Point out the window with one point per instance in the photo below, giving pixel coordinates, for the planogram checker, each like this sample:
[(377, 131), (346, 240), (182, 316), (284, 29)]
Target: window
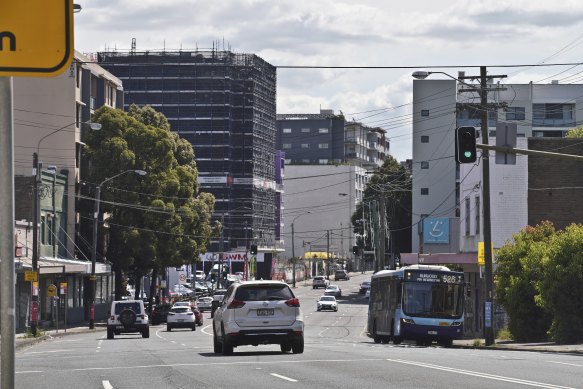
[(424, 112), (305, 145), (424, 191), (323, 161), (323, 145), (424, 138), (305, 130), (306, 161), (515, 113), (477, 215), (323, 130), (286, 146), (467, 217), (287, 161), (287, 131), (553, 115), (424, 165)]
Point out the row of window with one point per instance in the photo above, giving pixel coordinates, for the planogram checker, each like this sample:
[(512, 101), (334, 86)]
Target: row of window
[(306, 130), (287, 146), (322, 161)]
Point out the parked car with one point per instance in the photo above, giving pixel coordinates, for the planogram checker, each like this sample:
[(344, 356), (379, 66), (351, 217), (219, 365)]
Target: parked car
[(200, 289), (205, 303), (159, 313), (364, 286), (367, 294), (127, 316), (271, 315), (183, 290), (180, 317), (341, 275), (333, 290), (319, 282), (218, 294), (327, 302)]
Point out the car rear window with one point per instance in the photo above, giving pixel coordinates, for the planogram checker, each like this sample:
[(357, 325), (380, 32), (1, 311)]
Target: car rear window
[(263, 292), (180, 309), (119, 308)]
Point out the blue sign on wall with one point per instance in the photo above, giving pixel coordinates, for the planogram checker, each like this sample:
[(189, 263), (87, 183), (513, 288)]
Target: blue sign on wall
[(436, 230)]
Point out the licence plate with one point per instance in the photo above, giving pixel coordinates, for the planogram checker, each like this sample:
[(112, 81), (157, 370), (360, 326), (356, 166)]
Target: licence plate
[(180, 320), (432, 332), (265, 312)]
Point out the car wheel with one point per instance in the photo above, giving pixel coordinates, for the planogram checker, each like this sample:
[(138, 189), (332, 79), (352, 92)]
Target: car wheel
[(285, 348), (397, 339), (227, 348), (146, 332), (168, 328), (298, 348), (216, 344), (193, 327), (376, 338), (110, 333), (335, 309), (385, 340)]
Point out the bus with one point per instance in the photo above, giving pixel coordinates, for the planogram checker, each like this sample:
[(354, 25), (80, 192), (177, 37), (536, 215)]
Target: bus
[(419, 302)]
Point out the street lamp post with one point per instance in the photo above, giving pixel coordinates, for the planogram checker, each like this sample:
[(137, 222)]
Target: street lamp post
[(37, 167), (294, 248), (94, 247)]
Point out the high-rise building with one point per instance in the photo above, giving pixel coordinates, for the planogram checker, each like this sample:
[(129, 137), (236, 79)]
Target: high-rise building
[(224, 104)]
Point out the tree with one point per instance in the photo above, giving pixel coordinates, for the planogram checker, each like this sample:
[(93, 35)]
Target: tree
[(518, 272), (158, 220), (561, 287), (392, 183), (575, 133)]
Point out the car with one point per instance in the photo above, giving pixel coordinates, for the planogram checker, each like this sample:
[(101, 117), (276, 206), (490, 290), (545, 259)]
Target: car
[(341, 275), (333, 290), (194, 308), (319, 282), (200, 289), (159, 313), (205, 303), (259, 312), (218, 294), (181, 317), (127, 316), (327, 302), (367, 294), (364, 286), (183, 290), (199, 274)]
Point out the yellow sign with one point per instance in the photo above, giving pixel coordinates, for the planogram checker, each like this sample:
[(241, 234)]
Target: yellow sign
[(481, 255), (36, 37), (92, 278), (52, 290), (30, 276)]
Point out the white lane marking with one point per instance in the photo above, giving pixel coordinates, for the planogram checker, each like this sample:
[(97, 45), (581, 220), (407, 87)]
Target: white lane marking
[(28, 371), (481, 375), (283, 377), (321, 332), (172, 341), (158, 335), (100, 342), (204, 332), (182, 344), (565, 363), (106, 385), (48, 352)]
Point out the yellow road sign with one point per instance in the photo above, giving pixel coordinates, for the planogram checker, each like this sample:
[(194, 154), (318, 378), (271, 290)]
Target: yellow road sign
[(481, 255), (52, 290), (36, 37), (30, 276)]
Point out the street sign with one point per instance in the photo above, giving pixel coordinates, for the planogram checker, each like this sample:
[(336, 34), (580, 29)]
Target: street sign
[(36, 37), (481, 254), (30, 276), (51, 290), (63, 288)]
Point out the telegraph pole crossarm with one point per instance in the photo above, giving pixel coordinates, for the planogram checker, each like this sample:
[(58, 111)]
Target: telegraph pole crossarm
[(514, 150)]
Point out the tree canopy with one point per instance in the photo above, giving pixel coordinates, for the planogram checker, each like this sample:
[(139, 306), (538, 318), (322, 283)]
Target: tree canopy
[(575, 133)]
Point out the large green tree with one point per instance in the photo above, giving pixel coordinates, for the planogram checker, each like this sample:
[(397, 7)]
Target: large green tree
[(391, 184), (158, 220)]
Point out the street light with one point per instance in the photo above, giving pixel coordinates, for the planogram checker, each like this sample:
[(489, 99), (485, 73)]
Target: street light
[(483, 91), (294, 249), (36, 214), (94, 247)]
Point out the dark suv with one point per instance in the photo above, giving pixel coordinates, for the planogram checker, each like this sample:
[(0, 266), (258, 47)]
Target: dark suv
[(341, 275)]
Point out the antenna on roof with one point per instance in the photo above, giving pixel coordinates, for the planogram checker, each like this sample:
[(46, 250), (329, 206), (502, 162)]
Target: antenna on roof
[(133, 50)]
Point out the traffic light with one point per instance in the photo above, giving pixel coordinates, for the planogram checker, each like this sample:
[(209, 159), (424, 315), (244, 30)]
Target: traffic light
[(253, 249), (465, 145), (225, 273), (213, 278), (355, 250)]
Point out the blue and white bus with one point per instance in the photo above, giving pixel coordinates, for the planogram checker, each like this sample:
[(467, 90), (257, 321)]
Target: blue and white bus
[(418, 302)]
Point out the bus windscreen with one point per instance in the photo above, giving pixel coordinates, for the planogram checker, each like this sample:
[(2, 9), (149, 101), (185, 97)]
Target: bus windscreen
[(433, 300)]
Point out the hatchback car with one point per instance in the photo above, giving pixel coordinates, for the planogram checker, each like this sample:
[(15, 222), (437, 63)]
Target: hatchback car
[(180, 317), (319, 282), (259, 312), (364, 286), (341, 275), (333, 290), (199, 320), (205, 303), (327, 302)]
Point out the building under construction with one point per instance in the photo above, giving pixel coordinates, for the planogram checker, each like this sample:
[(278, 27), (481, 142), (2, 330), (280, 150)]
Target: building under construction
[(224, 104)]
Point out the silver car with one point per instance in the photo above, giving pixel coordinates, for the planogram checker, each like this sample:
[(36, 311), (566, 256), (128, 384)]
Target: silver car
[(259, 312)]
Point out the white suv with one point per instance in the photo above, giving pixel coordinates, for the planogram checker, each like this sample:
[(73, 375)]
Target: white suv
[(127, 316), (259, 312)]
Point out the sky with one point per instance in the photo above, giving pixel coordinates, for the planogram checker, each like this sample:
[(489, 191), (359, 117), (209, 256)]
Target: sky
[(441, 35)]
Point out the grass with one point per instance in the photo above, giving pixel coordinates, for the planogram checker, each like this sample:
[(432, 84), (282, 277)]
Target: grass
[(477, 343), (504, 334), (29, 334)]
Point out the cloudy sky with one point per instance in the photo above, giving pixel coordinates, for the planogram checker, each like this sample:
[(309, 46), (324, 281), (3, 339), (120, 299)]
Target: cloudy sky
[(409, 35)]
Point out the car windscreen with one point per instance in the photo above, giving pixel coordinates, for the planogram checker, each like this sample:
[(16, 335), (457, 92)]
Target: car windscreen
[(327, 298), (263, 292), (119, 308)]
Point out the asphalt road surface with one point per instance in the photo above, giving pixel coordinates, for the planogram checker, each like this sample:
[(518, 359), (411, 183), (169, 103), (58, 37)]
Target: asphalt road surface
[(338, 354)]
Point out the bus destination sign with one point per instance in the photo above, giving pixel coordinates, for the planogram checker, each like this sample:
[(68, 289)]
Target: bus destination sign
[(433, 277)]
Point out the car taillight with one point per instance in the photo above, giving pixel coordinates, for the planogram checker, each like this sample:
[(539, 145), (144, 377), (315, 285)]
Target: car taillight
[(295, 302), (189, 313), (112, 317), (235, 304), (141, 316)]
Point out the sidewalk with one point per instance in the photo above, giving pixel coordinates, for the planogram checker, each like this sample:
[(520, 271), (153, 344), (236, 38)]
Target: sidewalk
[(548, 347)]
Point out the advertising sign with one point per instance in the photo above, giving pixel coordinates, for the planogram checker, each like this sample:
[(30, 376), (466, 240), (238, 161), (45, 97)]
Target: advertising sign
[(436, 230)]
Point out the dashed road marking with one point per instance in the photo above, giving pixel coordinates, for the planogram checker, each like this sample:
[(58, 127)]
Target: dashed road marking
[(106, 385), (283, 377)]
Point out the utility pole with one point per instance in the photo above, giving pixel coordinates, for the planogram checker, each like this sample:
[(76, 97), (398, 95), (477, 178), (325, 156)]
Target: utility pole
[(293, 258), (35, 217), (382, 232), (328, 254)]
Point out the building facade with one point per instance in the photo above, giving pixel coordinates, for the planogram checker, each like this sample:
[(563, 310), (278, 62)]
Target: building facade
[(224, 104)]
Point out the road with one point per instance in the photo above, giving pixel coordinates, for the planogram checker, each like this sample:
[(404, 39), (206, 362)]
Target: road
[(338, 354)]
